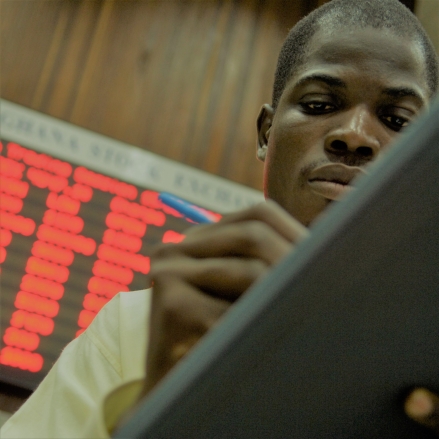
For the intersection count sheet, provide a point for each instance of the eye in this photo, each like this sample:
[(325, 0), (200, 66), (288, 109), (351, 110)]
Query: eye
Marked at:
[(396, 123), (317, 107)]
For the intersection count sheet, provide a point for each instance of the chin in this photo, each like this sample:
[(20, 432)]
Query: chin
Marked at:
[(308, 208)]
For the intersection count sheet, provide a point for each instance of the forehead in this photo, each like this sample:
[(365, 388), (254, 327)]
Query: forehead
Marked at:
[(375, 53)]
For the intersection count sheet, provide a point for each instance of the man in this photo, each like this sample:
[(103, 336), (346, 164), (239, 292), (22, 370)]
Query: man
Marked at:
[(350, 77)]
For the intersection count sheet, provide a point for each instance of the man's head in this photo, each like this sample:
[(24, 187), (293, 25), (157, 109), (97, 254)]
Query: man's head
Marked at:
[(350, 76), (339, 15)]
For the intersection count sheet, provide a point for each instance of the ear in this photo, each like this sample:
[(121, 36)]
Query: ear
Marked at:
[(264, 122)]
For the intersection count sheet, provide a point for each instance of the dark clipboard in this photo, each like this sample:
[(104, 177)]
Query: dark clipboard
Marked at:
[(328, 344)]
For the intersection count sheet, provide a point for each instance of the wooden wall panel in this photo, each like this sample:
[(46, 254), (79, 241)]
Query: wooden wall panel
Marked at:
[(184, 79)]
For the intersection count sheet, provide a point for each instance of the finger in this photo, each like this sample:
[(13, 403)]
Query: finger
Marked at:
[(181, 317), (184, 310), (423, 407), (226, 278), (267, 212), (252, 239)]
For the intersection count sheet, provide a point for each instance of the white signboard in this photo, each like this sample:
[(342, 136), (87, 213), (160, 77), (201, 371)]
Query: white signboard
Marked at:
[(125, 162)]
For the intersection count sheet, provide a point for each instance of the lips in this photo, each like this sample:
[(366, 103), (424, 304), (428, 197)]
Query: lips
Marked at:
[(333, 181)]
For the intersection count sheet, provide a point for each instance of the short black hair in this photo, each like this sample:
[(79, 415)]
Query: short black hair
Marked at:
[(380, 14)]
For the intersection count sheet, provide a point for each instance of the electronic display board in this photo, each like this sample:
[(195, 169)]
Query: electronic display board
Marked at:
[(71, 237)]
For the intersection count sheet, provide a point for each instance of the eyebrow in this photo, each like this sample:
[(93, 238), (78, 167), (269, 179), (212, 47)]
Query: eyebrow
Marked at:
[(401, 92), (327, 79)]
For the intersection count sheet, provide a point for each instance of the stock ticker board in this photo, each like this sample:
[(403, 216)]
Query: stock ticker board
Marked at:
[(70, 239)]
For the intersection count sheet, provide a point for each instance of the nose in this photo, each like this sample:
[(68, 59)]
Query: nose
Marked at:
[(355, 136)]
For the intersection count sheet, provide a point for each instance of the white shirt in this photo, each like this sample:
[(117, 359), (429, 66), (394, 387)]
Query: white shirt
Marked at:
[(69, 403)]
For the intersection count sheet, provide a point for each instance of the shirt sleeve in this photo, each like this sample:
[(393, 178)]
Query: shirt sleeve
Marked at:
[(69, 403)]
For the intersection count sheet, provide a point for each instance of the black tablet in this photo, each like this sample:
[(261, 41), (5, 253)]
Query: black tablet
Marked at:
[(328, 344)]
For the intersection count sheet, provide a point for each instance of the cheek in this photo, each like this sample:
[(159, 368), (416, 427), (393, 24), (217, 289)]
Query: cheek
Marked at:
[(291, 148), (300, 131), (293, 144), (284, 160)]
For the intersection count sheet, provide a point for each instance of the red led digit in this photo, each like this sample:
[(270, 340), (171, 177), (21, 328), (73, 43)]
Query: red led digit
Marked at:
[(57, 183), (113, 272), (85, 318), (47, 269), (32, 322), (42, 287), (25, 360), (63, 221), (171, 236), (105, 287), (149, 216), (122, 240), (5, 237), (17, 223), (10, 203), (33, 158), (119, 204), (12, 186), (79, 192), (39, 305), (132, 226), (94, 303), (134, 261), (43, 179), (49, 217), (104, 183), (63, 203), (18, 319), (21, 338), (11, 168), (151, 199), (15, 151), (41, 161), (52, 253), (126, 190), (77, 243), (63, 169)]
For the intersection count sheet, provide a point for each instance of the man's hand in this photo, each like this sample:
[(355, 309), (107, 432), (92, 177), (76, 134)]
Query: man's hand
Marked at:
[(196, 281), (423, 407)]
